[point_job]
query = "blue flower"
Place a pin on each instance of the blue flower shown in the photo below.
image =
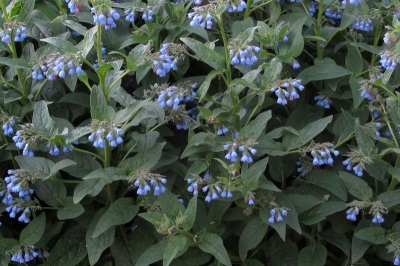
(352, 214)
(164, 61)
(74, 6)
(244, 56)
(238, 6)
(351, 2)
(396, 260)
(333, 13)
(147, 13)
(363, 24)
(106, 132)
(357, 168)
(378, 219)
(322, 101)
(25, 254)
(8, 127)
(201, 18)
(130, 15)
(276, 215)
(106, 17)
(197, 2)
(173, 96)
(389, 59)
(287, 89)
(312, 8)
(147, 181)
(19, 32)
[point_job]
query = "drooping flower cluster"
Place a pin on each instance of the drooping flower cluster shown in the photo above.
(104, 132)
(147, 13)
(245, 147)
(352, 213)
(295, 65)
(356, 162)
(276, 215)
(391, 36)
(305, 165)
(174, 96)
(363, 24)
(17, 194)
(243, 55)
(287, 89)
(26, 139)
(105, 16)
(396, 260)
(322, 101)
(351, 2)
(130, 15)
(25, 254)
(389, 59)
(167, 58)
(201, 16)
(197, 2)
(312, 7)
(321, 153)
(55, 66)
(145, 181)
(376, 209)
(333, 12)
(368, 90)
(235, 5)
(210, 185)
(55, 150)
(13, 29)
(74, 6)
(8, 126)
(220, 129)
(381, 129)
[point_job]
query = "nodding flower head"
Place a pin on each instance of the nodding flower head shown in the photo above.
(8, 124)
(201, 16)
(146, 181)
(323, 101)
(13, 29)
(389, 59)
(243, 146)
(235, 6)
(105, 16)
(105, 132)
(74, 6)
(357, 161)
(333, 12)
(245, 56)
(55, 66)
(363, 24)
(287, 89)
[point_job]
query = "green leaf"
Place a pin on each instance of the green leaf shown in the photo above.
(280, 227)
(26, 10)
(314, 255)
(32, 233)
(153, 253)
(390, 198)
(355, 92)
(213, 244)
(50, 192)
(75, 26)
(205, 54)
(70, 248)
(85, 164)
(250, 177)
(155, 218)
(175, 244)
(337, 239)
(120, 212)
(34, 164)
(256, 127)
(251, 236)
(374, 235)
(358, 248)
(190, 213)
(14, 62)
(325, 69)
(94, 182)
(96, 245)
(42, 121)
(98, 105)
(356, 186)
(60, 165)
(69, 210)
(170, 205)
(354, 60)
(62, 44)
(330, 181)
(202, 91)
(321, 211)
(364, 141)
(144, 160)
(88, 41)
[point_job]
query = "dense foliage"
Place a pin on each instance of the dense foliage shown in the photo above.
(200, 132)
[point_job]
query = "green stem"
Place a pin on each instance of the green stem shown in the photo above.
(4, 9)
(227, 57)
(259, 6)
(102, 77)
(126, 154)
(247, 12)
(107, 155)
(349, 137)
(252, 113)
(19, 71)
(376, 40)
(40, 90)
(90, 153)
(320, 51)
(118, 79)
(66, 181)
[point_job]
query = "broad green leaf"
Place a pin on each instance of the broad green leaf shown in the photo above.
(190, 213)
(356, 186)
(374, 235)
(88, 41)
(155, 218)
(34, 164)
(96, 245)
(204, 53)
(14, 62)
(153, 253)
(364, 141)
(280, 227)
(202, 91)
(144, 160)
(175, 244)
(256, 127)
(251, 236)
(321, 211)
(170, 205)
(250, 177)
(85, 164)
(61, 165)
(285, 253)
(62, 44)
(353, 60)
(213, 244)
(42, 121)
(26, 9)
(339, 240)
(98, 104)
(358, 248)
(314, 255)
(330, 181)
(69, 209)
(75, 26)
(325, 69)
(390, 198)
(120, 212)
(32, 233)
(355, 91)
(49, 191)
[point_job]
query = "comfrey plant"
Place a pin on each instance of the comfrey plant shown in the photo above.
(199, 132)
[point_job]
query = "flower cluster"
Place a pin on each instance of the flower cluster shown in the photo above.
(377, 209)
(8, 126)
(391, 36)
(368, 90)
(147, 13)
(221, 129)
(201, 17)
(312, 7)
(209, 185)
(295, 65)
(74, 6)
(276, 215)
(197, 2)
(55, 151)
(130, 15)
(380, 129)
(144, 180)
(245, 56)
(25, 254)
(322, 101)
(17, 194)
(305, 165)
(333, 12)
(105, 131)
(166, 59)
(356, 162)
(55, 66)
(287, 89)
(351, 2)
(321, 153)
(15, 29)
(389, 59)
(105, 17)
(174, 96)
(352, 213)
(244, 146)
(238, 5)
(363, 24)
(26, 140)
(396, 260)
